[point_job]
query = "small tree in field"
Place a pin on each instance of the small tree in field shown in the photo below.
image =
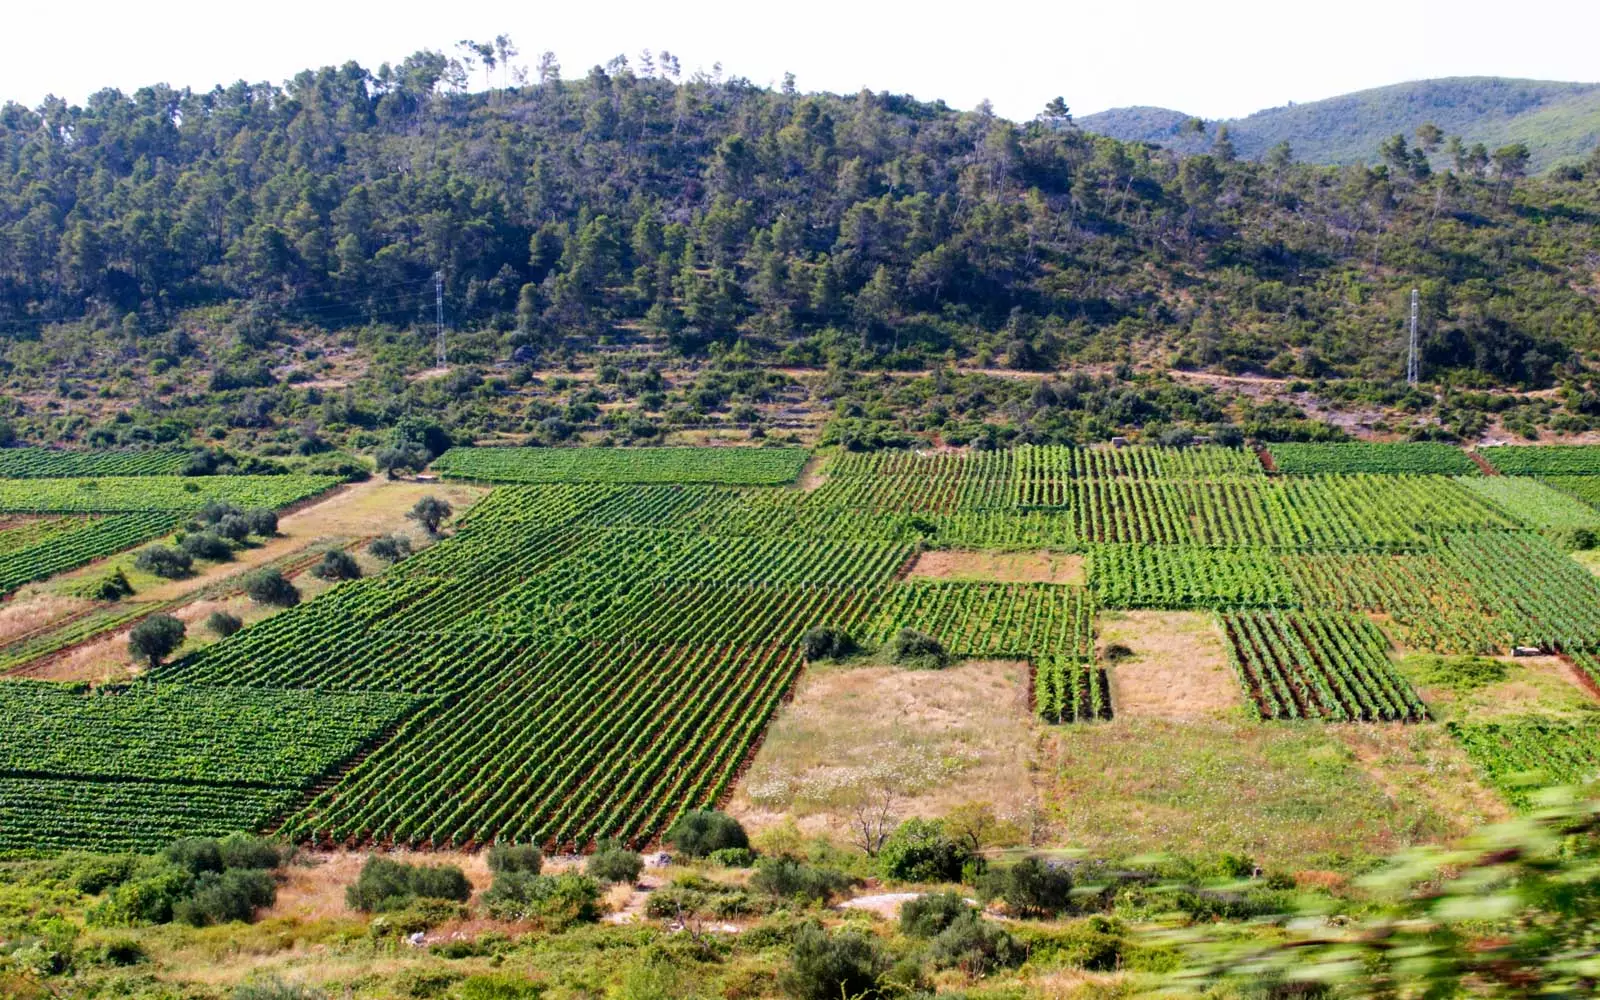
(268, 586)
(223, 624)
(155, 637)
(336, 565)
(430, 512)
(389, 548)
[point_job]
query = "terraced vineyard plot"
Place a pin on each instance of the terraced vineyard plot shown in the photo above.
(1518, 756)
(1069, 689)
(283, 739)
(729, 466)
(992, 620)
(109, 494)
(549, 753)
(1372, 457)
(76, 541)
(1534, 503)
(46, 815)
(1544, 460)
(1585, 488)
(1183, 576)
(43, 463)
(1304, 665)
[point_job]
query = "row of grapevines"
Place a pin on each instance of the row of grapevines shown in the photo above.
(549, 754)
(164, 733)
(1544, 460)
(992, 619)
(1307, 665)
(1185, 576)
(1534, 503)
(82, 542)
(732, 466)
(1372, 457)
(1070, 689)
(48, 816)
(155, 493)
(54, 463)
(1519, 755)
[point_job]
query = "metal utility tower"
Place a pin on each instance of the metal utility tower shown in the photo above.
(438, 314)
(1410, 360)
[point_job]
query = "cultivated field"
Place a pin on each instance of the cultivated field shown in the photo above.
(603, 641)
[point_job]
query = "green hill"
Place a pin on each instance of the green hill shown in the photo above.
(1558, 121)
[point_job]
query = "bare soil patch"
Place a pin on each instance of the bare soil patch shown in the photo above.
(1178, 670)
(811, 475)
(998, 567)
(929, 740)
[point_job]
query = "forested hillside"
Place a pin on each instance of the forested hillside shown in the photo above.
(1558, 122)
(148, 232)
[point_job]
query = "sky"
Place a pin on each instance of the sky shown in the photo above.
(1214, 60)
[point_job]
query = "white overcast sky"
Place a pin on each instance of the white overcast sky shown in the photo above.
(1216, 59)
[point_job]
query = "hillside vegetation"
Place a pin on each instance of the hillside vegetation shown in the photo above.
(1559, 122)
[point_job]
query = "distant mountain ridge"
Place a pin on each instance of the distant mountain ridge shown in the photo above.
(1560, 122)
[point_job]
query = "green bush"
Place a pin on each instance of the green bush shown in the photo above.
(499, 986)
(515, 858)
(148, 897)
(273, 988)
(975, 946)
(556, 899)
(1032, 886)
(1096, 943)
(927, 916)
(611, 862)
(114, 586)
(389, 548)
(268, 586)
(698, 832)
(827, 967)
(919, 850)
(222, 624)
(791, 879)
(207, 545)
(160, 560)
(195, 854)
(243, 850)
(262, 521)
(234, 894)
(827, 643)
(386, 885)
(98, 873)
(917, 650)
(732, 857)
(336, 565)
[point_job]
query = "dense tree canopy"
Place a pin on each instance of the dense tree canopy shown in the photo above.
(866, 230)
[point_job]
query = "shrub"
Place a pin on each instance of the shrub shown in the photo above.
(515, 858)
(155, 637)
(827, 643)
(336, 565)
(611, 862)
(163, 561)
(234, 894)
(732, 857)
(262, 521)
(389, 548)
(975, 946)
(1031, 886)
(243, 850)
(268, 586)
(120, 952)
(430, 512)
(919, 850)
(273, 988)
(222, 624)
(195, 854)
(1574, 539)
(207, 545)
(824, 967)
(148, 897)
(927, 916)
(385, 885)
(917, 650)
(1117, 652)
(698, 832)
(234, 527)
(791, 879)
(215, 510)
(114, 586)
(555, 899)
(499, 986)
(97, 873)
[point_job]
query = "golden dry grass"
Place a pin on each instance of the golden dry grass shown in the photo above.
(1178, 670)
(998, 567)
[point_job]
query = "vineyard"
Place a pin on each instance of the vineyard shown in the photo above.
(53, 463)
(600, 643)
